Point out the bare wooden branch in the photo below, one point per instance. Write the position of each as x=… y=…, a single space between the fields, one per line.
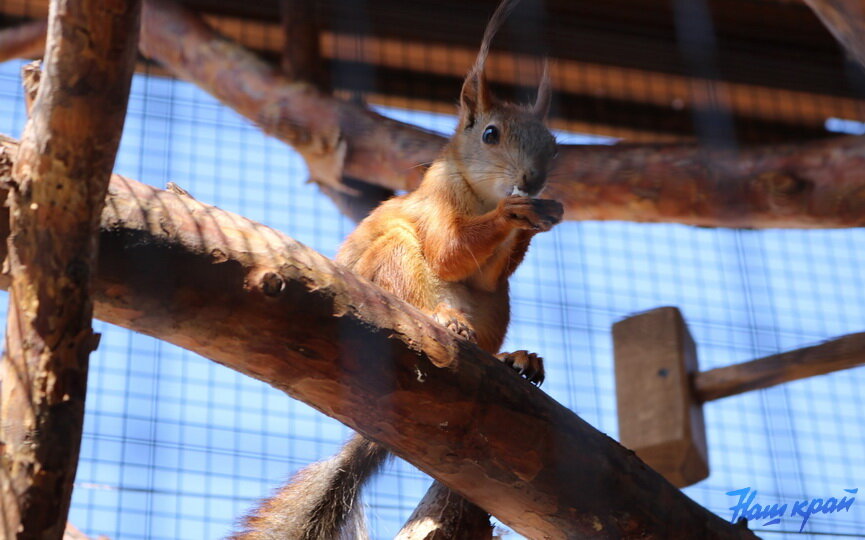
x=56 y=192
x=814 y=185
x=255 y=300
x=443 y=515
x=24 y=41
x=845 y=19
x=833 y=355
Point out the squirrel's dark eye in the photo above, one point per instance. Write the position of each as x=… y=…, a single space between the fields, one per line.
x=491 y=135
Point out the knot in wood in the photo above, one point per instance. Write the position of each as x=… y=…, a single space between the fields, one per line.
x=271 y=284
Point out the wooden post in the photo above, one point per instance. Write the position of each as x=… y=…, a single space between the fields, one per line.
x=259 y=302
x=56 y=193
x=661 y=392
x=659 y=416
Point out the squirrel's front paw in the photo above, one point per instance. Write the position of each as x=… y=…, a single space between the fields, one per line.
x=454 y=321
x=534 y=214
x=529 y=365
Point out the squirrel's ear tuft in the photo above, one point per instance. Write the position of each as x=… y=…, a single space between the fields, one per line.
x=542 y=103
x=475 y=97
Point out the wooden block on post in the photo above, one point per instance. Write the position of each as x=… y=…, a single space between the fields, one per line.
x=659 y=416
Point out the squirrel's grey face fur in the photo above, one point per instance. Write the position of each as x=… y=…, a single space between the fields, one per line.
x=506 y=151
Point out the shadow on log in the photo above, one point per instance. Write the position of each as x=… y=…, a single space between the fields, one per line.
x=253 y=299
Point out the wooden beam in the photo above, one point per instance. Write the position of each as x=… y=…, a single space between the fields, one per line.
x=659 y=416
x=255 y=300
x=833 y=355
x=56 y=192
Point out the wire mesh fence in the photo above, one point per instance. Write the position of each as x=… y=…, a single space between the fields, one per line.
x=176 y=446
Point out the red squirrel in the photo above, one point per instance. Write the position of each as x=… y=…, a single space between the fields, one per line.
x=448 y=248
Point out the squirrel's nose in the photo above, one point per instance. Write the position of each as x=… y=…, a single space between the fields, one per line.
x=533 y=180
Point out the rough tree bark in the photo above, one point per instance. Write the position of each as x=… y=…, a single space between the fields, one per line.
x=810 y=185
x=255 y=300
x=56 y=192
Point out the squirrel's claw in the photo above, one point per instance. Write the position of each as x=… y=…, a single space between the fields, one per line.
x=534 y=214
x=526 y=364
x=454 y=321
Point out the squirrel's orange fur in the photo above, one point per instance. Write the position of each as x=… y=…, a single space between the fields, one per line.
x=448 y=248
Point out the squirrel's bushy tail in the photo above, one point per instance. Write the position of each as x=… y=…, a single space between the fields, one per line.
x=322 y=502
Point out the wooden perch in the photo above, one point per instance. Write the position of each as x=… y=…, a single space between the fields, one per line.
x=56 y=189
x=811 y=185
x=836 y=354
x=261 y=303
x=660 y=390
x=845 y=19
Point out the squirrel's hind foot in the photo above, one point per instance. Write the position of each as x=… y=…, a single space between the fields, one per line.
x=454 y=321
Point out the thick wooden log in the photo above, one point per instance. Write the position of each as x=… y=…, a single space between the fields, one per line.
x=56 y=193
x=813 y=185
x=844 y=352
x=259 y=302
x=659 y=416
x=845 y=19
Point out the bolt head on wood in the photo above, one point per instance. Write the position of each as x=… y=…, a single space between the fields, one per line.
x=659 y=416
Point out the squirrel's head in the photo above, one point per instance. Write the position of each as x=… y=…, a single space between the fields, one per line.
x=504 y=149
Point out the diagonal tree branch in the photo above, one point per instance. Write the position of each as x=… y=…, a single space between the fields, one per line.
x=56 y=192
x=255 y=300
